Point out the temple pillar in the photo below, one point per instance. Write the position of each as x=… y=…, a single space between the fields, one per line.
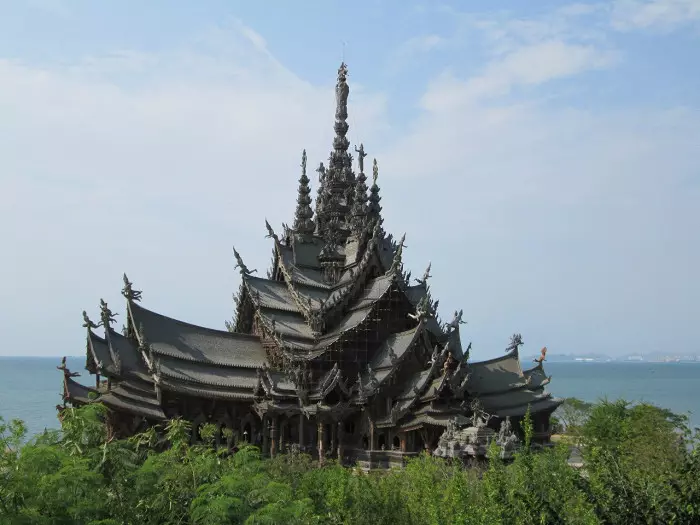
x=321 y=452
x=265 y=435
x=273 y=436
x=334 y=438
x=340 y=441
x=372 y=436
x=97 y=381
x=402 y=438
x=302 y=444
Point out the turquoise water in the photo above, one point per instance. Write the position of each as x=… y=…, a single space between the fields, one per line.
x=30 y=388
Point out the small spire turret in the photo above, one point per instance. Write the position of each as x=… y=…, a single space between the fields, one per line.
x=303 y=222
x=374 y=208
x=359 y=205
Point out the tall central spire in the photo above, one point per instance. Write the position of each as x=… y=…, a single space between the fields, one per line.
x=337 y=183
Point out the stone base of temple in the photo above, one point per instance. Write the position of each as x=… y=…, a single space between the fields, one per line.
x=379 y=459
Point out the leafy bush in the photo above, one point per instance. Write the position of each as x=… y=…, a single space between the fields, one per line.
x=641 y=465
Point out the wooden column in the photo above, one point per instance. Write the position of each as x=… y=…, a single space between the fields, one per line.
x=372 y=441
x=97 y=381
x=302 y=444
x=265 y=434
x=273 y=436
x=340 y=442
x=334 y=438
x=402 y=437
x=321 y=452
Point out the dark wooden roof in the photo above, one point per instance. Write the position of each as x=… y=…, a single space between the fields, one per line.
x=170 y=337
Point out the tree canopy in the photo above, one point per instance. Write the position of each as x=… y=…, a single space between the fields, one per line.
x=641 y=465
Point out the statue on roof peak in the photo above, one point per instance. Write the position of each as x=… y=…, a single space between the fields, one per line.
x=426 y=275
x=361 y=157
x=270 y=232
x=342 y=90
x=321 y=170
x=240 y=264
x=516 y=341
x=129 y=292
x=87 y=323
x=542 y=357
x=106 y=315
x=456 y=321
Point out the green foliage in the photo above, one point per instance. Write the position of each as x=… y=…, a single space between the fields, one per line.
x=572 y=415
x=641 y=465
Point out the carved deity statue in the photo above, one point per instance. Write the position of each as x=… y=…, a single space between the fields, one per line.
x=303 y=163
x=321 y=170
x=361 y=157
x=456 y=321
x=129 y=292
x=449 y=364
x=341 y=93
x=239 y=264
x=106 y=315
x=270 y=232
x=542 y=357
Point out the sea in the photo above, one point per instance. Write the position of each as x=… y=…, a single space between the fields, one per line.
x=30 y=387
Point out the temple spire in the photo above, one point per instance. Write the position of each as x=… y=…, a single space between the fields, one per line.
x=303 y=222
x=374 y=209
x=335 y=195
x=359 y=205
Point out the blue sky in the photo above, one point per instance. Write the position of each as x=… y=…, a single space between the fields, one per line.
x=544 y=158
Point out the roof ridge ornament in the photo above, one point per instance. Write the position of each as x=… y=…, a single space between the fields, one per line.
x=542 y=357
x=129 y=292
x=87 y=323
x=426 y=275
x=516 y=341
x=271 y=233
x=456 y=321
x=239 y=264
x=397 y=262
x=106 y=315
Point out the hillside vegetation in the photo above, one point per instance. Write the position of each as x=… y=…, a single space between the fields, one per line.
x=641 y=465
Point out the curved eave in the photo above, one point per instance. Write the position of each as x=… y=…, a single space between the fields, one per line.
x=209 y=392
x=76 y=393
x=127 y=405
x=205 y=374
x=545 y=405
x=536 y=376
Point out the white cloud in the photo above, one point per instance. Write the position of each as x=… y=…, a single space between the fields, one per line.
x=654 y=14
x=527 y=66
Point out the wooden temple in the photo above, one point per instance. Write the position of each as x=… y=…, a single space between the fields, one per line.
x=337 y=352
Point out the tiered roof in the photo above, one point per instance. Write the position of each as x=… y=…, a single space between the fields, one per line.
x=336 y=325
